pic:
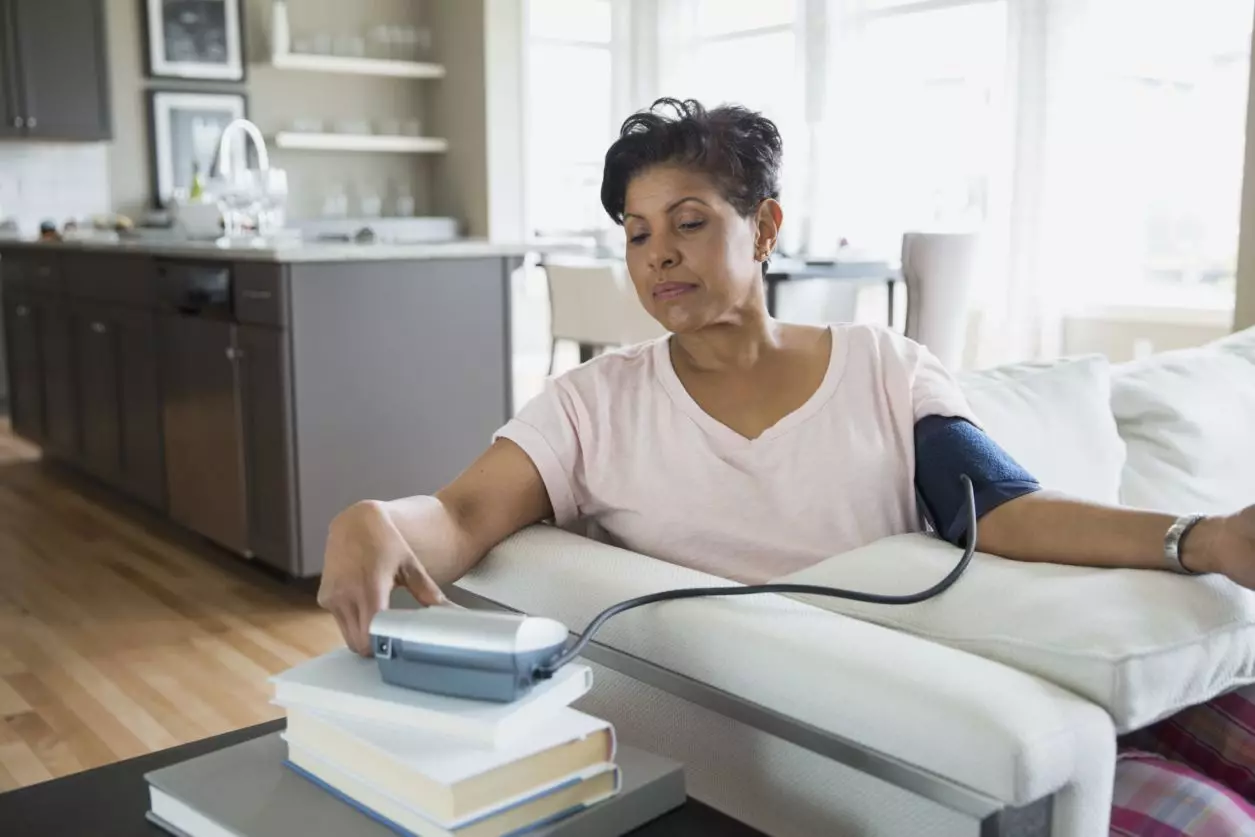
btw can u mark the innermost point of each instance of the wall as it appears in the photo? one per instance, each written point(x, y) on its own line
point(459, 110)
point(52, 181)
point(276, 97)
point(484, 156)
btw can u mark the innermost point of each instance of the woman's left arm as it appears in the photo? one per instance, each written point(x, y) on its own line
point(1019, 519)
point(1048, 526)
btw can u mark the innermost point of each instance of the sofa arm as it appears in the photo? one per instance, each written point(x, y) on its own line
point(995, 730)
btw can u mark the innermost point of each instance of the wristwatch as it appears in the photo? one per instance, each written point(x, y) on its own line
point(1172, 542)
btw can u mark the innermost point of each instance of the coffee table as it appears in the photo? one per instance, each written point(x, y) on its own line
point(111, 801)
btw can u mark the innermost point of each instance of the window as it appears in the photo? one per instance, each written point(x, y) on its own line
point(1147, 148)
point(914, 111)
point(749, 53)
point(1097, 144)
point(570, 118)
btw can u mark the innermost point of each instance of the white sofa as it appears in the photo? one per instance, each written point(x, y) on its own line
point(991, 710)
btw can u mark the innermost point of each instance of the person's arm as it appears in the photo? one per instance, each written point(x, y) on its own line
point(1018, 519)
point(1048, 526)
point(426, 541)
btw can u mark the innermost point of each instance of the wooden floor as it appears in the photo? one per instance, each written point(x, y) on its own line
point(120, 635)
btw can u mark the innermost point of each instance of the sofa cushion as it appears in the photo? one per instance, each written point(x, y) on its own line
point(1186, 417)
point(1140, 643)
point(1054, 418)
point(988, 727)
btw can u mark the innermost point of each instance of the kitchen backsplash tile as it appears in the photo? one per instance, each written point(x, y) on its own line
point(52, 181)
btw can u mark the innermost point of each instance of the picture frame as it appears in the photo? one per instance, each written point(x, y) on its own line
point(184, 128)
point(195, 39)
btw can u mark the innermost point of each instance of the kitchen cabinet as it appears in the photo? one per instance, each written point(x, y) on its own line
point(61, 427)
point(54, 70)
point(119, 408)
point(251, 400)
point(41, 398)
point(11, 123)
point(265, 400)
point(26, 387)
point(204, 446)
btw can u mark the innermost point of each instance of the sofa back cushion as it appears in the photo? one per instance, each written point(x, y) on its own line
point(1054, 418)
point(1140, 643)
point(1188, 419)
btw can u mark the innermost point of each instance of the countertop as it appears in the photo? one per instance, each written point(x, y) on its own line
point(288, 251)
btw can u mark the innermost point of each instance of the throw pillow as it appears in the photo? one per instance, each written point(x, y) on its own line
point(1054, 418)
point(1186, 417)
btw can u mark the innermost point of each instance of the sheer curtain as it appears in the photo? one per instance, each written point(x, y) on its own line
point(570, 112)
point(1143, 155)
point(1097, 145)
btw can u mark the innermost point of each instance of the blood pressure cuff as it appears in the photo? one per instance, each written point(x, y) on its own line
point(947, 447)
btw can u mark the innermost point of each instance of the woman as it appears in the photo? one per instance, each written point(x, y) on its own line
point(741, 446)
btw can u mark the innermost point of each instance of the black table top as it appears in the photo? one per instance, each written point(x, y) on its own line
point(111, 801)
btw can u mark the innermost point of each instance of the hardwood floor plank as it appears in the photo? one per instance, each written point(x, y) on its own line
point(22, 763)
point(142, 725)
point(120, 634)
point(158, 675)
point(170, 715)
point(8, 663)
point(53, 752)
point(7, 782)
point(11, 703)
point(89, 749)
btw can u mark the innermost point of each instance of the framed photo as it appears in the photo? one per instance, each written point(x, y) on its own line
point(198, 39)
point(184, 133)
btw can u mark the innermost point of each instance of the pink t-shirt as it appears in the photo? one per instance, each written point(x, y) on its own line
point(619, 441)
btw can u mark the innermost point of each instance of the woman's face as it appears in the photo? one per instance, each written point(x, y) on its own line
point(693, 259)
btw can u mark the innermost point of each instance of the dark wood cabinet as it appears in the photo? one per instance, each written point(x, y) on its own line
point(11, 123)
point(139, 407)
point(54, 69)
point(265, 390)
point(96, 359)
point(61, 420)
point(119, 404)
point(251, 400)
point(25, 361)
point(201, 418)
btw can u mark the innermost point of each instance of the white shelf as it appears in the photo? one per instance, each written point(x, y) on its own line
point(360, 142)
point(357, 66)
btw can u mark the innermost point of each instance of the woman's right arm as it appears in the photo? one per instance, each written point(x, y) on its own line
point(423, 542)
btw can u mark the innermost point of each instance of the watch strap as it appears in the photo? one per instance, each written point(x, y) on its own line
point(1173, 539)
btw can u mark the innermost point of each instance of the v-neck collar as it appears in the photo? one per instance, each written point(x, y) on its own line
point(719, 431)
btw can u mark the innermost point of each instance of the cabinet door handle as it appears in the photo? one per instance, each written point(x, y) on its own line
point(19, 122)
point(234, 353)
point(99, 328)
point(31, 122)
point(44, 271)
point(22, 311)
point(248, 294)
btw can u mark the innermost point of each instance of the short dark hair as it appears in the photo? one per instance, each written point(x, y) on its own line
point(737, 147)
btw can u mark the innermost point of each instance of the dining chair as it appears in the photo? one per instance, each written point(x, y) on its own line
point(592, 302)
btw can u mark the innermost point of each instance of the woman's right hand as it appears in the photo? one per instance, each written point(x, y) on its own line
point(366, 557)
point(373, 547)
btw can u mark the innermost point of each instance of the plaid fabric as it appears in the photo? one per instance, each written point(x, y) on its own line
point(1216, 738)
point(1155, 797)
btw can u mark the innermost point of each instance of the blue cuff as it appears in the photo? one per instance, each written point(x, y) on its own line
point(947, 447)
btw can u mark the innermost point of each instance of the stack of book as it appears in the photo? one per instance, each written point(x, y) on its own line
point(429, 765)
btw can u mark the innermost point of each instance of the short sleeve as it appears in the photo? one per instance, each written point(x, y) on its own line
point(546, 430)
point(934, 390)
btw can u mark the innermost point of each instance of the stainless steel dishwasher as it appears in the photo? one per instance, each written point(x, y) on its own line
point(202, 413)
